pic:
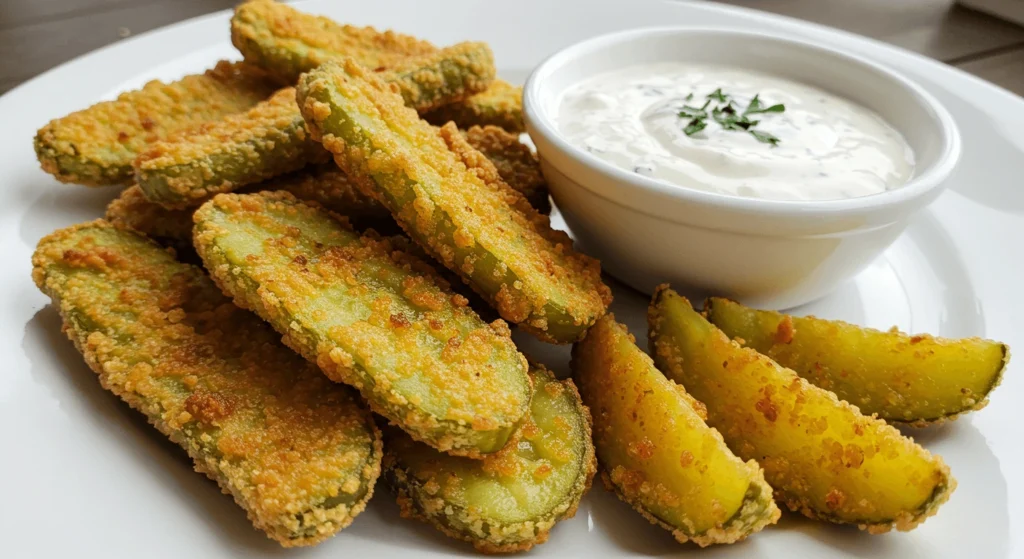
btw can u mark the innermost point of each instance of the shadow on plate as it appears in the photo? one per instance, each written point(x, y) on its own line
point(61, 205)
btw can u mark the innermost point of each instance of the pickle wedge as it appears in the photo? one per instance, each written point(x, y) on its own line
point(370, 316)
point(271, 139)
point(96, 146)
point(132, 210)
point(287, 42)
point(499, 105)
point(479, 228)
point(299, 453)
point(515, 162)
point(917, 380)
point(820, 454)
point(508, 501)
point(656, 452)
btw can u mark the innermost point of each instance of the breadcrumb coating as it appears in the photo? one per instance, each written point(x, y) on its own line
point(917, 380)
point(371, 316)
point(656, 452)
point(288, 42)
point(132, 210)
point(499, 105)
point(271, 139)
point(96, 146)
point(509, 501)
point(297, 452)
point(515, 162)
point(219, 156)
point(451, 200)
point(821, 455)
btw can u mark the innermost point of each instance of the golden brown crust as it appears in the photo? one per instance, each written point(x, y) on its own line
point(297, 452)
point(288, 42)
point(515, 162)
point(500, 105)
point(468, 219)
point(96, 146)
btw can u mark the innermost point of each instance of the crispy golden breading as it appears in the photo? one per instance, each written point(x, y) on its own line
point(299, 453)
point(918, 380)
point(219, 156)
point(271, 139)
point(508, 501)
point(655, 450)
point(96, 146)
point(370, 316)
point(499, 105)
point(467, 219)
point(820, 454)
point(515, 162)
point(131, 210)
point(288, 42)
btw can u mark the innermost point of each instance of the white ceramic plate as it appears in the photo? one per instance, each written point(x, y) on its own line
point(84, 476)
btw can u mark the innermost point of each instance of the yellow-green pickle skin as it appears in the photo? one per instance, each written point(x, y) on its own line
point(511, 500)
point(821, 455)
point(299, 453)
point(918, 380)
point(370, 315)
point(655, 451)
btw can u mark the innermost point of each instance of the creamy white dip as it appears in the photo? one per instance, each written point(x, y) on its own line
point(828, 147)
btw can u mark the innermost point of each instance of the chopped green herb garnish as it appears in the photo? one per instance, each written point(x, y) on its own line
point(717, 95)
point(728, 117)
point(695, 125)
point(764, 137)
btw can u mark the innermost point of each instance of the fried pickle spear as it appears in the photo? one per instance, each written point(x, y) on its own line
point(271, 139)
point(508, 501)
point(325, 184)
point(822, 456)
point(656, 452)
point(450, 200)
point(287, 42)
point(515, 162)
point(96, 146)
point(918, 380)
point(370, 316)
point(300, 454)
point(499, 105)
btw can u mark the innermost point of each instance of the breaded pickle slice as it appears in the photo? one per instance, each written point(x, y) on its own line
point(656, 452)
point(508, 501)
point(912, 379)
point(370, 316)
point(288, 42)
point(299, 453)
point(823, 457)
point(515, 162)
point(271, 139)
point(96, 146)
point(326, 184)
point(268, 140)
point(500, 105)
point(466, 218)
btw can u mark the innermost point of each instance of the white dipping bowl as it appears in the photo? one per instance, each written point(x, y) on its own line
point(767, 253)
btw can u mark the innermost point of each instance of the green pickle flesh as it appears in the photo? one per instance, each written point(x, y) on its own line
point(370, 316)
point(271, 138)
point(910, 379)
point(820, 454)
point(482, 230)
point(162, 337)
point(656, 452)
point(511, 500)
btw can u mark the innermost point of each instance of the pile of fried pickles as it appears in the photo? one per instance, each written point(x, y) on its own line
point(358, 200)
